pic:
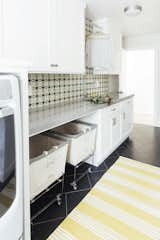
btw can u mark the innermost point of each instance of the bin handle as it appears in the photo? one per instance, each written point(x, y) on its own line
point(45, 153)
point(55, 147)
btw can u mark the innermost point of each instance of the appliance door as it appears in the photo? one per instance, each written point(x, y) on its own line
point(11, 194)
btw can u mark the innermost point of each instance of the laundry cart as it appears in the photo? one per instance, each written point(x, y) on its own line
point(47, 164)
point(81, 138)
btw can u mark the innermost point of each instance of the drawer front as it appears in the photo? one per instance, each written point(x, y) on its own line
point(56, 164)
point(37, 179)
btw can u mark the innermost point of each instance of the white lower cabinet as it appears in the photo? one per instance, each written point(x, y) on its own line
point(106, 132)
point(103, 140)
point(126, 117)
point(114, 124)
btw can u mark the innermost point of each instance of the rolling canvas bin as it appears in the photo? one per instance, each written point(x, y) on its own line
point(81, 138)
point(47, 162)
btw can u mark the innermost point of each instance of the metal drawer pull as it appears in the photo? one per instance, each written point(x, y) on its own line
point(50, 176)
point(114, 121)
point(54, 65)
point(114, 109)
point(45, 153)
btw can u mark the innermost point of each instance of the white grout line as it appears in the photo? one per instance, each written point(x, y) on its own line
point(66, 202)
point(47, 221)
point(89, 180)
point(80, 190)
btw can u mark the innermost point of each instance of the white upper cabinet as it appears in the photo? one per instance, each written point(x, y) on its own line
point(104, 47)
point(49, 35)
point(1, 29)
point(26, 32)
point(67, 39)
point(99, 53)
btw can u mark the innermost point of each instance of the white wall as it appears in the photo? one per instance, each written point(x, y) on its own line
point(146, 41)
point(140, 79)
point(157, 87)
point(1, 28)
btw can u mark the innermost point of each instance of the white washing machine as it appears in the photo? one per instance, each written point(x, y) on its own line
point(11, 159)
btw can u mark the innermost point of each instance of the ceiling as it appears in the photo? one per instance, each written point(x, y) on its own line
point(147, 22)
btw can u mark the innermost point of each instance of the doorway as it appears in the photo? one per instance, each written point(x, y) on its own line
point(140, 80)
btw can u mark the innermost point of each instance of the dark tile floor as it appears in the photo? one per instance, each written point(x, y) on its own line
point(143, 145)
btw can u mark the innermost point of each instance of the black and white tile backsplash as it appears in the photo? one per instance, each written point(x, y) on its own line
point(50, 89)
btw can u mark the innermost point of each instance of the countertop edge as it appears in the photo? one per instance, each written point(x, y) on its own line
point(96, 107)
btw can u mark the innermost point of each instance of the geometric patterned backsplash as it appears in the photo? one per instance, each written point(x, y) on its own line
point(51, 89)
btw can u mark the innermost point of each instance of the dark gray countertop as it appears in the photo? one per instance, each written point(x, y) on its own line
point(53, 116)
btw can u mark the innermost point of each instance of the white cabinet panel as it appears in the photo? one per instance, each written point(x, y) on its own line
point(99, 53)
point(1, 29)
point(49, 35)
point(126, 117)
point(103, 143)
point(106, 138)
point(115, 125)
point(108, 59)
point(26, 31)
point(67, 36)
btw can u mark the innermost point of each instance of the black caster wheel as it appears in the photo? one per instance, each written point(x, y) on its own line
point(59, 203)
point(90, 170)
point(59, 200)
point(74, 185)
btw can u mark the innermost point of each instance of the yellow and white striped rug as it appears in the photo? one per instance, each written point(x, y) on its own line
point(123, 205)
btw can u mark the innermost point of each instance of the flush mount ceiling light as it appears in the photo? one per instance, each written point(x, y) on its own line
point(133, 10)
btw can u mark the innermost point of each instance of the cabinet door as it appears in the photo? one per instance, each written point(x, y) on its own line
point(26, 31)
point(115, 125)
point(105, 133)
point(67, 36)
point(126, 117)
point(1, 29)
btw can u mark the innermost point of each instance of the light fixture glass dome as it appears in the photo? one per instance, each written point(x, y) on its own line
point(133, 10)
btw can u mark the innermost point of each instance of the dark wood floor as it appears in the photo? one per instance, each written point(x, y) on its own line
point(143, 145)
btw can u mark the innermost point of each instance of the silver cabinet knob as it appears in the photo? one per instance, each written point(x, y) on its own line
point(54, 65)
point(114, 121)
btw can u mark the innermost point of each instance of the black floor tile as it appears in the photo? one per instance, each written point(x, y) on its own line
point(95, 177)
point(45, 199)
point(142, 145)
point(43, 231)
point(52, 212)
point(100, 168)
point(74, 198)
point(112, 159)
point(83, 184)
point(83, 168)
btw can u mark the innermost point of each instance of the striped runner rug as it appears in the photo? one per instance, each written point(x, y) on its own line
point(123, 205)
